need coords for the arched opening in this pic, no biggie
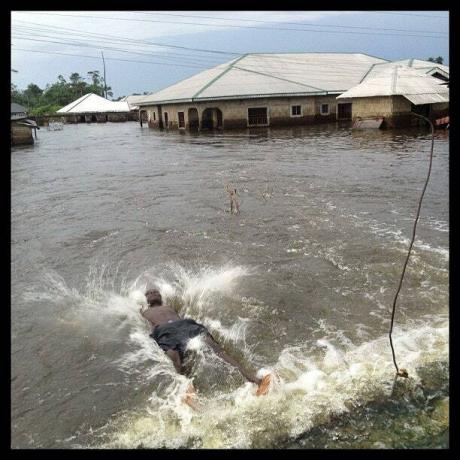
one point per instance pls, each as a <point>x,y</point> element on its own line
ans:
<point>212,118</point>
<point>81,119</point>
<point>193,119</point>
<point>93,118</point>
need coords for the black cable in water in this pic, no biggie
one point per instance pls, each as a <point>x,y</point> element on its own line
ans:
<point>402,372</point>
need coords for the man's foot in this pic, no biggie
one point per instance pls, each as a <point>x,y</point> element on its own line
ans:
<point>190,398</point>
<point>264,385</point>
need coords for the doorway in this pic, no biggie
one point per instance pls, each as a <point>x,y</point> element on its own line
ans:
<point>193,119</point>
<point>344,111</point>
<point>212,118</point>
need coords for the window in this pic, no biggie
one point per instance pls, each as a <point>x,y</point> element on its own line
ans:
<point>166,120</point>
<point>324,109</point>
<point>154,116</point>
<point>181,119</point>
<point>257,116</point>
<point>296,111</point>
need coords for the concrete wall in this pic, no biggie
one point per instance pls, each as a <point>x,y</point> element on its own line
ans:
<point>99,117</point>
<point>396,110</point>
<point>117,117</point>
<point>235,112</point>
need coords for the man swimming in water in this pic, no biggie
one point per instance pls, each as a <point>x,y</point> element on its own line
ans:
<point>172,333</point>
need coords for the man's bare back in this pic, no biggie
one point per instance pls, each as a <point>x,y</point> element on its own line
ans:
<point>160,315</point>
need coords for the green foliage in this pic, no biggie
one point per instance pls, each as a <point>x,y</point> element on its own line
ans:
<point>438,60</point>
<point>49,109</point>
<point>60,93</point>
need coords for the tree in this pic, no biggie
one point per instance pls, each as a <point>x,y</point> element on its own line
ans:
<point>59,93</point>
<point>78,84</point>
<point>33,93</point>
<point>16,95</point>
<point>97,85</point>
<point>438,60</point>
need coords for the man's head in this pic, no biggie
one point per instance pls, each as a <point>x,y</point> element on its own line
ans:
<point>153,297</point>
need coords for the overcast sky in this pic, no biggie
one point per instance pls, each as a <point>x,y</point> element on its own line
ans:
<point>52,43</point>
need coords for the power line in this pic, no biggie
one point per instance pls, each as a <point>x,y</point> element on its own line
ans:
<point>194,60</point>
<point>409,14</point>
<point>85,45</point>
<point>263,58</point>
<point>242,27</point>
<point>311,79</point>
<point>294,23</point>
<point>128,40</point>
<point>247,66</point>
<point>152,43</point>
<point>107,58</point>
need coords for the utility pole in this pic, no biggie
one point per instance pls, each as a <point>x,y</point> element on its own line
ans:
<point>105,83</point>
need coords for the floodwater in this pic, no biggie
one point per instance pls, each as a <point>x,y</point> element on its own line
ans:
<point>300,283</point>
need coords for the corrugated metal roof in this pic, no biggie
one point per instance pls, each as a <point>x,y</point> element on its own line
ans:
<point>92,103</point>
<point>268,75</point>
<point>392,80</point>
<point>418,99</point>
<point>133,100</point>
<point>421,67</point>
<point>17,108</point>
<point>419,64</point>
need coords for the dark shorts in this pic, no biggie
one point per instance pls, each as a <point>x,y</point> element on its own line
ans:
<point>175,335</point>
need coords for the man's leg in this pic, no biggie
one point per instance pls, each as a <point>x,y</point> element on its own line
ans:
<point>219,351</point>
<point>190,395</point>
<point>175,358</point>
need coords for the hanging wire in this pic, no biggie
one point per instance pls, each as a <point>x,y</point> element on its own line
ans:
<point>400,371</point>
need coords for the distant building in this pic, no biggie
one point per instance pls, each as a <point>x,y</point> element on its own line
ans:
<point>21,127</point>
<point>133,106</point>
<point>262,89</point>
<point>18,111</point>
<point>93,108</point>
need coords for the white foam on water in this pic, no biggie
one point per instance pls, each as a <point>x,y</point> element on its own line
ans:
<point>311,380</point>
<point>384,230</point>
<point>307,390</point>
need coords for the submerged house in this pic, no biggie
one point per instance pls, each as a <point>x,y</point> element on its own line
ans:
<point>93,108</point>
<point>18,111</point>
<point>394,91</point>
<point>263,89</point>
<point>133,106</point>
<point>21,127</point>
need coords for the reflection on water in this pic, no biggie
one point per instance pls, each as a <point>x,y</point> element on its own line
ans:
<point>301,283</point>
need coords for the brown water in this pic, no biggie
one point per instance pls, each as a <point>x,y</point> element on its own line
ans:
<point>300,282</point>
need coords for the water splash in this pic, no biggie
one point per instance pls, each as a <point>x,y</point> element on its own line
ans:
<point>313,380</point>
<point>308,390</point>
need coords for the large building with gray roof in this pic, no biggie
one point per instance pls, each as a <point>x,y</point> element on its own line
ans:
<point>263,89</point>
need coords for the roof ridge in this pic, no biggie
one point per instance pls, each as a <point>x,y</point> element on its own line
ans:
<point>280,78</point>
<point>393,80</point>
<point>230,66</point>
<point>83,98</point>
<point>367,73</point>
<point>319,52</point>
